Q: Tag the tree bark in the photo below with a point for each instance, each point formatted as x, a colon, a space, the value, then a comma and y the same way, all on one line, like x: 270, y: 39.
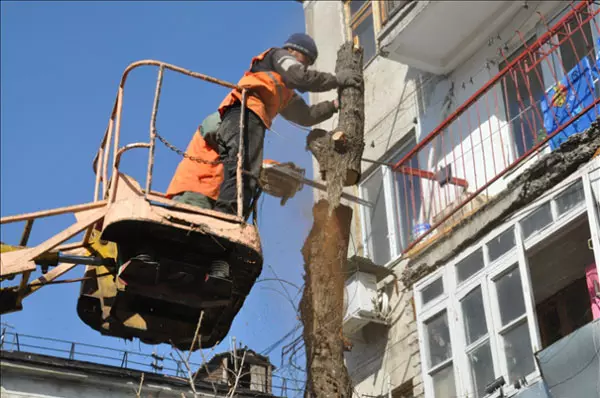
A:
x: 322, y: 303
x: 339, y: 162
x: 325, y: 250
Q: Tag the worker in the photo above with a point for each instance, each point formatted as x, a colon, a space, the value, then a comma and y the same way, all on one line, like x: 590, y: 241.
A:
x: 271, y: 80
x: 196, y: 181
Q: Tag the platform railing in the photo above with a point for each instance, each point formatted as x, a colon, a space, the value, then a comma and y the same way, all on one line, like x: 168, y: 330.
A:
x: 545, y: 94
x: 111, y: 142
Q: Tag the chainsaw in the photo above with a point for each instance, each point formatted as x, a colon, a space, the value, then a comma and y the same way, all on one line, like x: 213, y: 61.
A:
x: 284, y: 180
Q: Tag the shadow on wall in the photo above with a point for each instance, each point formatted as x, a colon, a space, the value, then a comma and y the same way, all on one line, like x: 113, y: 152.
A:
x: 380, y: 350
x: 368, y: 352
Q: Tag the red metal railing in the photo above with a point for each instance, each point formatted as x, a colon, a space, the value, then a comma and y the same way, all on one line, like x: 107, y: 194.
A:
x: 546, y: 93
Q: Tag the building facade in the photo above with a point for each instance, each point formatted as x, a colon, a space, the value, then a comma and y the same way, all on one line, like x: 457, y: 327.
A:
x: 482, y: 172
x: 34, y: 366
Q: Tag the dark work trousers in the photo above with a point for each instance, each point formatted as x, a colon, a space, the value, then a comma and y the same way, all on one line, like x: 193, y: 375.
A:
x: 228, y: 137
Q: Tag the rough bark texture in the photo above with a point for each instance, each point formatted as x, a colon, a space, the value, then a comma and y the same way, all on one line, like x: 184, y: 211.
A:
x: 322, y: 304
x: 339, y: 164
x: 326, y: 248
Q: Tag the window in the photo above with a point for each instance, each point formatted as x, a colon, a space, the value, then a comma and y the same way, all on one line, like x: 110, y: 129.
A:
x: 378, y: 243
x: 407, y: 191
x: 570, y: 199
x: 490, y: 322
x: 501, y: 244
x: 482, y: 315
x: 433, y: 291
x: 522, y: 93
x: 539, y: 219
x: 362, y: 26
x: 470, y: 265
x: 439, y: 358
x: 477, y: 340
x: 389, y: 8
x: 396, y: 205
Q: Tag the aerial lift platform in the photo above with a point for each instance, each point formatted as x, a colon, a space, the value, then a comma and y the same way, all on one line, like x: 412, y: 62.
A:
x: 146, y: 257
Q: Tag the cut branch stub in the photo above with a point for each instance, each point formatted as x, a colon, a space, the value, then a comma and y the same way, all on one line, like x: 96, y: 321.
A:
x: 340, y: 142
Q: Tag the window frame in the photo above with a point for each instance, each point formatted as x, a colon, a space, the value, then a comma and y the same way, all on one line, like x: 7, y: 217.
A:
x: 406, y: 143
x: 371, y: 8
x: 485, y: 278
x: 385, y: 17
x: 366, y: 229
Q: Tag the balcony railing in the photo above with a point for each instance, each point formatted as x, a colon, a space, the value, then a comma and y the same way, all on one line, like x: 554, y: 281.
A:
x: 546, y: 93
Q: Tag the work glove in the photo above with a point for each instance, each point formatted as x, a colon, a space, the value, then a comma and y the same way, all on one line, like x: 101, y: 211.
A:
x: 349, y: 78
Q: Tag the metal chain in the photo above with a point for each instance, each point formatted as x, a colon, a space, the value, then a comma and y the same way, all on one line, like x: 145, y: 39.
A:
x: 186, y: 155
x: 199, y: 160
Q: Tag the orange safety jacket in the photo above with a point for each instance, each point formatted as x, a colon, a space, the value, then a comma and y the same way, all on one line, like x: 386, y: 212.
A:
x: 203, y: 178
x: 267, y: 94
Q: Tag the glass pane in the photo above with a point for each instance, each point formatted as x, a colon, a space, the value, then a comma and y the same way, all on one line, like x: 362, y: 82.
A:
x: 482, y: 368
x: 536, y: 221
x: 522, y: 92
x: 408, y: 196
x: 578, y: 46
x: 519, y: 356
x: 570, y: 198
x: 376, y: 224
x: 510, y: 296
x: 393, y: 6
x: 468, y: 266
x: 438, y: 339
x: 432, y: 291
x: 355, y: 5
x: 443, y: 382
x: 474, y: 316
x: 366, y: 37
x: 501, y: 244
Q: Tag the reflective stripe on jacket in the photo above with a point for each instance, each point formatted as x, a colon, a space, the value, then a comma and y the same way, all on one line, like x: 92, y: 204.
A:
x: 268, y: 95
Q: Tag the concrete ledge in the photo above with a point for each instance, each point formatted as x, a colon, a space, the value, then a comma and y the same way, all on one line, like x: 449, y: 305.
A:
x: 543, y: 175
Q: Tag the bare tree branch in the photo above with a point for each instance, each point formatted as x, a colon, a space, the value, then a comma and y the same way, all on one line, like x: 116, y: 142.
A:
x: 186, y: 361
x: 237, y: 378
x: 139, y: 391
x: 196, y: 337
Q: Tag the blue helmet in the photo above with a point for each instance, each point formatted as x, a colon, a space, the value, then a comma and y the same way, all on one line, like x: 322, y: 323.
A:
x: 303, y: 43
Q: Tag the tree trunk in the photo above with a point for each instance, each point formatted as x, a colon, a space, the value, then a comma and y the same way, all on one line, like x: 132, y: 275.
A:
x: 325, y: 251
x: 322, y: 304
x: 339, y: 152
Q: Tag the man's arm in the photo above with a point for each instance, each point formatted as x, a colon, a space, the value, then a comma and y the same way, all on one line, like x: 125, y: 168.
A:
x: 298, y: 77
x: 301, y: 113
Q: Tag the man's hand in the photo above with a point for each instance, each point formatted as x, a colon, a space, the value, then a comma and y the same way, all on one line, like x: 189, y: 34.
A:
x: 349, y: 78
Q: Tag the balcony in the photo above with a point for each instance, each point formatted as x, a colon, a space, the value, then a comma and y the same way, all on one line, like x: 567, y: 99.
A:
x: 571, y: 365
x: 547, y: 92
x: 437, y: 36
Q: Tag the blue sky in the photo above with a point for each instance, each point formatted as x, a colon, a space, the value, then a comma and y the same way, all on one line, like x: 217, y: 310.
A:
x: 61, y: 63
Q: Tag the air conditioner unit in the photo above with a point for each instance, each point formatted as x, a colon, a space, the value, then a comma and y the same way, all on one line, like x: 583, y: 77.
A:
x: 363, y: 303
